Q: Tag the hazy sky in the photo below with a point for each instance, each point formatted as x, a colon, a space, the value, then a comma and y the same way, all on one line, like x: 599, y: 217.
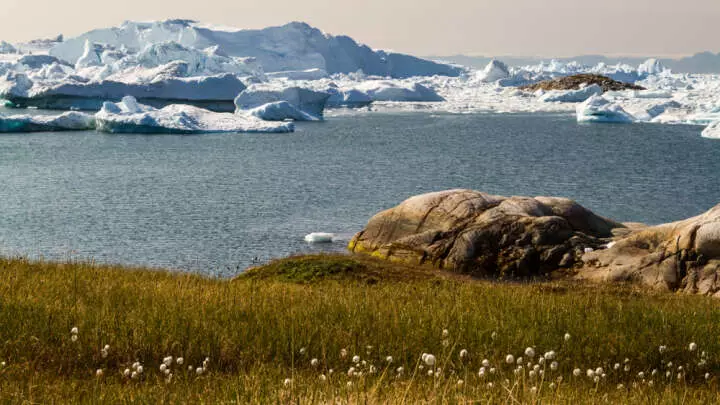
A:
x: 422, y: 27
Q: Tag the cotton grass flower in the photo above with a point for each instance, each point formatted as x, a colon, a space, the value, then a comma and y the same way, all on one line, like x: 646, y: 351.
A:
x: 566, y: 337
x: 530, y: 352
x: 323, y: 378
x: 662, y: 349
x: 388, y: 359
x: 429, y: 359
x: 163, y: 367
x: 199, y: 371
x: 445, y: 333
x: 180, y: 361
x: 167, y: 361
x: 356, y: 359
x: 463, y: 354
x: 554, y: 366
x: 314, y: 362
x: 74, y: 330
x: 303, y: 350
x: 577, y: 372
x: 550, y: 355
x: 99, y: 372
x: 126, y: 373
x: 343, y: 353
x: 460, y: 383
x: 486, y: 363
x: 134, y: 375
x: 693, y: 346
x: 509, y: 359
x: 287, y: 382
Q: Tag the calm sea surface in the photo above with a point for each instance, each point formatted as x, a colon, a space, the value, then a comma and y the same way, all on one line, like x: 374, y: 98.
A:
x: 212, y: 203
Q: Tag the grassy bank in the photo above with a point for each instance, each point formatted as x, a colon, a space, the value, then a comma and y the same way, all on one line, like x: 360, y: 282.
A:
x: 261, y: 332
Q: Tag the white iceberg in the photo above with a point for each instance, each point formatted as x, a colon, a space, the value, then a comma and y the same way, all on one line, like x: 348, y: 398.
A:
x: 319, y: 237
x: 572, y: 96
x: 347, y: 98
x: 651, y: 67
x: 281, y: 111
x: 154, y: 86
x: 386, y: 90
x: 128, y: 116
x: 308, y: 101
x: 309, y: 74
x: 599, y: 109
x: 494, y: 71
x: 712, y: 131
x: 293, y: 47
x: 69, y: 121
x: 6, y: 48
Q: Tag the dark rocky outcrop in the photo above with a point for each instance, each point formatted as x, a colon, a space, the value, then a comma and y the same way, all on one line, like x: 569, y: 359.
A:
x: 485, y: 235
x: 575, y: 82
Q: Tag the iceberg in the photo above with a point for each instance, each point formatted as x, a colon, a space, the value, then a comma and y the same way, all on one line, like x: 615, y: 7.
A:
x: 599, y: 109
x: 712, y: 131
x: 129, y: 116
x: 347, y: 98
x: 309, y: 74
x: 281, y: 111
x: 69, y: 121
x: 292, y: 47
x: 651, y: 67
x: 386, y: 90
x: 494, y: 71
x: 308, y: 101
x: 212, y: 92
x: 6, y: 48
x: 572, y: 96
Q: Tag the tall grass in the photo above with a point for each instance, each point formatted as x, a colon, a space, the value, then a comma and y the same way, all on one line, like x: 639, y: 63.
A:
x: 263, y: 329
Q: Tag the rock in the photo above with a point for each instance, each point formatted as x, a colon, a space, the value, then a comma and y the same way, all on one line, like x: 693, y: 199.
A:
x: 485, y: 235
x: 683, y: 255
x: 576, y: 82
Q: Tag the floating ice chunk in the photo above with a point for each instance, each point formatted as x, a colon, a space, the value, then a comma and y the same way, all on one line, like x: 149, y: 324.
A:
x: 128, y: 116
x: 308, y: 101
x: 319, y: 237
x: 651, y: 67
x: 712, y: 131
x: 347, y: 98
x: 494, y: 71
x: 598, y: 109
x: 572, y: 96
x: 281, y: 111
x: 385, y: 90
x: 69, y: 121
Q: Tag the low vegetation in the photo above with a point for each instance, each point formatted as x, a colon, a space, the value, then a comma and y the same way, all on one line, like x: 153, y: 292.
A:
x: 575, y: 82
x: 344, y: 329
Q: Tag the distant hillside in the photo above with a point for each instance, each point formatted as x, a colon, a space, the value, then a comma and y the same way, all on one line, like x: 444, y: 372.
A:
x: 704, y: 62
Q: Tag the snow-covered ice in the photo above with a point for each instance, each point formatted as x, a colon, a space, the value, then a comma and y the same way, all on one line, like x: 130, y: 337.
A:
x: 572, y: 96
x: 128, y: 116
x: 68, y: 121
x: 599, y: 109
x: 303, y: 99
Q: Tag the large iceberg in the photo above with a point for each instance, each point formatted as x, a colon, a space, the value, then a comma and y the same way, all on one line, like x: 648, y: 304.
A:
x: 6, y: 48
x: 599, y: 109
x: 292, y: 47
x: 69, y: 121
x: 156, y: 87
x: 128, y: 116
x: 572, y: 96
x: 309, y: 101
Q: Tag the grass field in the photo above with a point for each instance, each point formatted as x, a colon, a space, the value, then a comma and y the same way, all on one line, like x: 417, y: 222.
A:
x: 289, y: 332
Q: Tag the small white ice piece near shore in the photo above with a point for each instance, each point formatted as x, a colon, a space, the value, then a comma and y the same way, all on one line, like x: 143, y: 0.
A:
x: 319, y: 237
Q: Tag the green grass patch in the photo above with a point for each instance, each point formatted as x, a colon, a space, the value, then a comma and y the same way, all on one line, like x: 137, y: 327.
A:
x: 265, y: 327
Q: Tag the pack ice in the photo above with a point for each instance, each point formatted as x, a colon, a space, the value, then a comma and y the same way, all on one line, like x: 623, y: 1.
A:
x: 129, y: 116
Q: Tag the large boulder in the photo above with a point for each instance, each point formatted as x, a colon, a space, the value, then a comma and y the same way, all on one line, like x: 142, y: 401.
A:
x: 485, y: 235
x: 683, y: 255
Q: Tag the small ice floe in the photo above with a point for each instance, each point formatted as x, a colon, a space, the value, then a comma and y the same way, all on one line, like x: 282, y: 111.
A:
x: 319, y: 237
